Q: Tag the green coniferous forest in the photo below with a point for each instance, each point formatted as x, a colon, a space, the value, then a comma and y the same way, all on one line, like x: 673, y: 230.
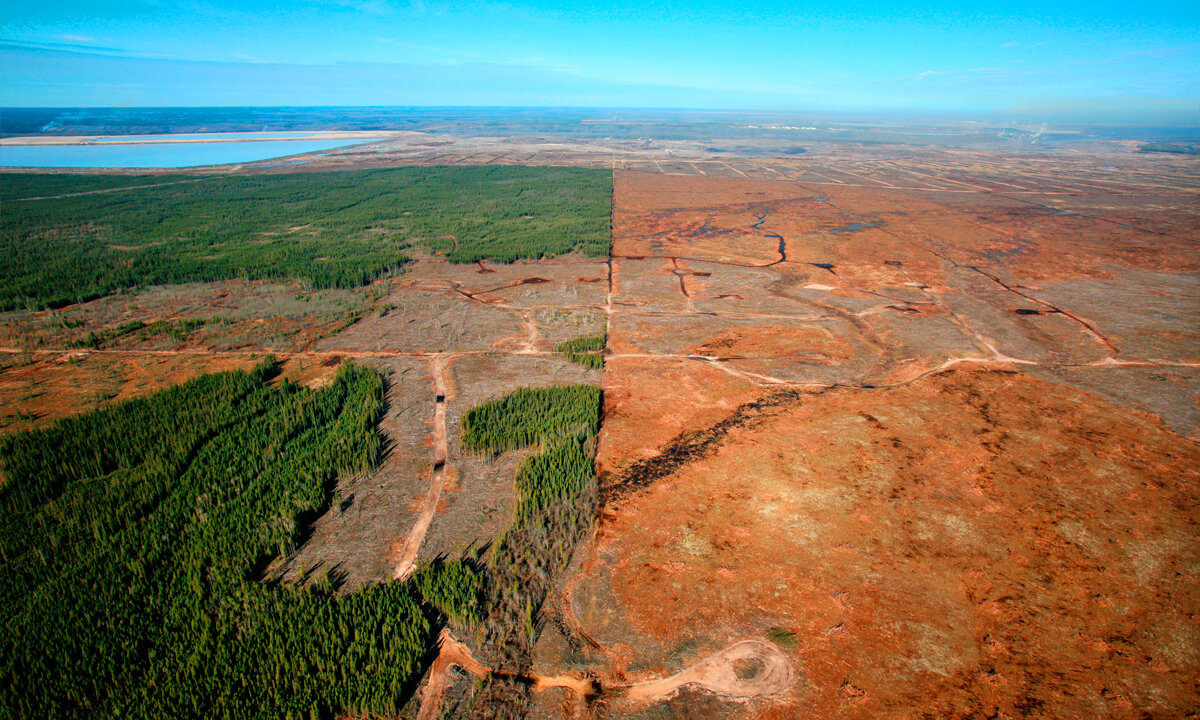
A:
x: 132, y: 540
x: 585, y: 351
x: 337, y: 229
x: 129, y: 542
x: 532, y: 416
x: 556, y: 504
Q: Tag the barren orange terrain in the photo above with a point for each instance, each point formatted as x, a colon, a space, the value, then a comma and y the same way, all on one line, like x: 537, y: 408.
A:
x: 937, y: 444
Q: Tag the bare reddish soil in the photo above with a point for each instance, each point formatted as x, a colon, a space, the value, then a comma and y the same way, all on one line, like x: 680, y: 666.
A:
x: 940, y: 446
x: 974, y: 542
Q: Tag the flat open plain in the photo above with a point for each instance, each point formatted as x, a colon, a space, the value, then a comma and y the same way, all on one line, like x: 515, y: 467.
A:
x: 932, y: 433
x: 887, y: 432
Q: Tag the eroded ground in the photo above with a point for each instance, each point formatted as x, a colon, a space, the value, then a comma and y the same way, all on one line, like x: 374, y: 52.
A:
x: 937, y: 444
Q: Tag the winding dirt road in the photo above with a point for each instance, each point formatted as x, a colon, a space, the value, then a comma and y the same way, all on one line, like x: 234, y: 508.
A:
x: 742, y: 671
x: 451, y: 653
x: 746, y: 670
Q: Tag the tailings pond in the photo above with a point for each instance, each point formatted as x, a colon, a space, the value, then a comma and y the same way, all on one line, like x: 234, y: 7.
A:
x: 164, y: 155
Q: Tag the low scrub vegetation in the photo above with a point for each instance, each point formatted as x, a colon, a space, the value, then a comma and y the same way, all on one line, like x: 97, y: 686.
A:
x: 585, y: 351
x: 177, y: 330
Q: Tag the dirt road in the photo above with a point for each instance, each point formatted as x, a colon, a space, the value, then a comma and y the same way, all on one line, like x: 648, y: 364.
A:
x: 451, y: 653
x: 412, y: 546
x: 745, y: 670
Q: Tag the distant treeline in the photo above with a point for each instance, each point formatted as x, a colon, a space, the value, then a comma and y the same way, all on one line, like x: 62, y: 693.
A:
x: 1177, y: 148
x: 340, y: 229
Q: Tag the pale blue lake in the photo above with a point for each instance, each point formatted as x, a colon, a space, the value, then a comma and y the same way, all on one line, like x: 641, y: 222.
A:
x: 162, y: 155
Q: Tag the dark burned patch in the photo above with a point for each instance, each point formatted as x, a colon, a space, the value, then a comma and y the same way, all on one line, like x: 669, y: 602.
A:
x: 698, y: 273
x: 689, y: 447
x: 893, y: 263
x: 533, y: 281
x: 1034, y: 311
x: 748, y: 668
x: 589, y: 279
x: 723, y: 343
x: 332, y: 361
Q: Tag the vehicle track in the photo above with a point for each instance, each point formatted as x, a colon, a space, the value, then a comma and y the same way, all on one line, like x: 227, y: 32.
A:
x: 407, y: 562
x: 767, y: 673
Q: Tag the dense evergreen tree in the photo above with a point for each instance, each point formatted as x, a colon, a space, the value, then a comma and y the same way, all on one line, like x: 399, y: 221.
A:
x: 532, y: 416
x: 338, y: 229
x: 128, y: 539
x: 556, y: 504
x: 585, y: 351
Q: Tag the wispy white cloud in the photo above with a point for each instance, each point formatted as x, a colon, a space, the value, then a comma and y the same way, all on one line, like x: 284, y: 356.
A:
x: 1162, y: 53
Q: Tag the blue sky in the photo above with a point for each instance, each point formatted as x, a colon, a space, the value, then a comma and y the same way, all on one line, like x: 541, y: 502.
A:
x: 1115, y: 60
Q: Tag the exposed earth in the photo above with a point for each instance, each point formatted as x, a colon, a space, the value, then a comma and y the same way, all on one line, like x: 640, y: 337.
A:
x: 887, y: 433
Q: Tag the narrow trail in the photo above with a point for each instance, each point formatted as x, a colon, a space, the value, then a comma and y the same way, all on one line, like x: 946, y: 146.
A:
x: 113, y: 190
x: 781, y: 248
x: 531, y: 334
x: 518, y: 283
x: 1085, y: 325
x: 980, y: 341
x: 994, y: 356
x: 718, y: 673
x: 608, y: 302
x: 416, y: 536
x: 682, y: 274
x: 608, y: 295
x: 451, y: 653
